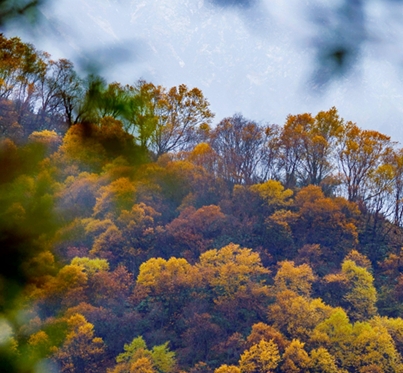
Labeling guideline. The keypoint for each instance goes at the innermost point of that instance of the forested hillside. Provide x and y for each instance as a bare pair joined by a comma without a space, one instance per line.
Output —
140,234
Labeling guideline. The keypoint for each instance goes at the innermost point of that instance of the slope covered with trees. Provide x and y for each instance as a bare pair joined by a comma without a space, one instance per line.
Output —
136,235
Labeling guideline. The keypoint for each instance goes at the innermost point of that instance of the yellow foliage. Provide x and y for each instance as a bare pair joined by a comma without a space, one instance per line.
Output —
297,279
261,357
115,197
159,276
71,276
272,191
362,294
357,345
297,316
227,369
359,259
322,361
48,138
266,332
394,326
91,266
38,338
231,268
142,365
295,358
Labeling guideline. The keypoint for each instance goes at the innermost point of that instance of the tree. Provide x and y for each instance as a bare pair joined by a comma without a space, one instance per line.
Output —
81,351
68,90
20,68
330,222
267,332
238,142
362,296
322,361
115,197
162,277
195,230
140,118
297,279
261,357
396,161
270,161
319,140
297,316
295,358
137,358
231,269
48,90
273,193
180,112
291,148
360,153
358,346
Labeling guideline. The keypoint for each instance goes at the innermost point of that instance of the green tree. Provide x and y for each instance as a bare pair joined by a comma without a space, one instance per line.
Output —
361,296
137,358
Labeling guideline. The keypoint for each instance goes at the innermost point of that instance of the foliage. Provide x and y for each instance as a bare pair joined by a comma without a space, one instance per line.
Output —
249,248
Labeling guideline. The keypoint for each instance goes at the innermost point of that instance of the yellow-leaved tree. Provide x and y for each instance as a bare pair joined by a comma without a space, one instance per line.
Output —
261,357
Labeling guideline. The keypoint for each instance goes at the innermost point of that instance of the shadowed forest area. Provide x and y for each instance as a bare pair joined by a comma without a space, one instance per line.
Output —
139,234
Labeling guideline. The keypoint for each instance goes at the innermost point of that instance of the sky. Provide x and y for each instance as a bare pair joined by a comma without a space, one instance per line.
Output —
254,57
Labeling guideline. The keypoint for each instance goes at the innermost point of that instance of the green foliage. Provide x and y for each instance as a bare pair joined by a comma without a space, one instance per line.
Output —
361,297
91,266
136,354
130,349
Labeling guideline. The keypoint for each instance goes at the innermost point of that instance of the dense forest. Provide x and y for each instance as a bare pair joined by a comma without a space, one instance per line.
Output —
138,235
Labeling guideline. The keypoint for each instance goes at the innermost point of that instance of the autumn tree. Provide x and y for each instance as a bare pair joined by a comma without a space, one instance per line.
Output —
329,222
396,163
295,278
361,297
227,369
180,112
270,164
81,351
195,230
166,286
69,90
295,358
238,282
19,70
231,268
360,153
238,142
297,316
162,277
322,361
357,346
138,358
319,140
291,148
54,82
115,197
261,357
267,332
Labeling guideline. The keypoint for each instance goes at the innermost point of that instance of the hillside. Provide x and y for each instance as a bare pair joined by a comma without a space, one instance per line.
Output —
137,234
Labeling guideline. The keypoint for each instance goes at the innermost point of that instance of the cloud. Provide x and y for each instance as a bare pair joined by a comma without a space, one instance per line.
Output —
234,3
